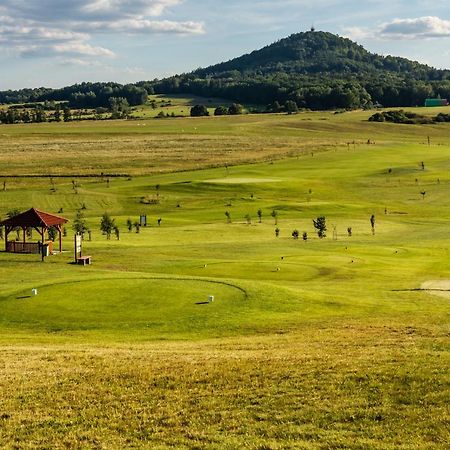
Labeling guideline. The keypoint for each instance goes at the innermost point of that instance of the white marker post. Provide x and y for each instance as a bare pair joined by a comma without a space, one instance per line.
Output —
78,246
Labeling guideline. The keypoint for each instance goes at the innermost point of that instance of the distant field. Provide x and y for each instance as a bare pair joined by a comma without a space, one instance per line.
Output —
325,343
139,147
179,105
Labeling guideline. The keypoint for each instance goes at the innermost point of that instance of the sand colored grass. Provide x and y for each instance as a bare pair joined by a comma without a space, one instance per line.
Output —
152,146
383,385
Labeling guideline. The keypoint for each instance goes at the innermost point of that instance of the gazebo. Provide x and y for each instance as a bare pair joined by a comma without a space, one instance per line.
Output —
31,219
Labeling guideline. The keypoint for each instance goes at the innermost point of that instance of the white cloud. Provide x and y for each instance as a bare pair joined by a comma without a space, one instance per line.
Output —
55,27
418,28
161,26
79,48
151,8
80,62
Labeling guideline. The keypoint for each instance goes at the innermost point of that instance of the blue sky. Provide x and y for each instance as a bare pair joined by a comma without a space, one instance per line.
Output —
56,43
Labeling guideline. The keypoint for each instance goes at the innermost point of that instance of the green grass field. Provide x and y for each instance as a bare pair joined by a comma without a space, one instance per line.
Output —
340,342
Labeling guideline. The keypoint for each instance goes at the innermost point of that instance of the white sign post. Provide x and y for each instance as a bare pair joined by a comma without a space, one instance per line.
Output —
78,245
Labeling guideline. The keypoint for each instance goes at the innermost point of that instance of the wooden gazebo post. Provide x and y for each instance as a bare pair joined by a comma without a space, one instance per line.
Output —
7,230
60,237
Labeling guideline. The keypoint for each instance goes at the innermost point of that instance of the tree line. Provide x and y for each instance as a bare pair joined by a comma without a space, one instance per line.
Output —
83,95
118,108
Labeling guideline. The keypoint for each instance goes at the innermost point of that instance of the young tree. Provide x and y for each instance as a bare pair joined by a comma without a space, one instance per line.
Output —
117,232
248,219
274,214
228,216
79,224
259,215
129,225
372,223
321,226
305,236
295,234
107,225
423,194
349,231
277,232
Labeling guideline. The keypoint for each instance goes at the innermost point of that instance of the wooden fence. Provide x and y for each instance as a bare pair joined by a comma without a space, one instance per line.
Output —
24,247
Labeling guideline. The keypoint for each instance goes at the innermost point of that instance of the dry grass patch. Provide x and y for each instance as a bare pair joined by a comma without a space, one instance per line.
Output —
349,387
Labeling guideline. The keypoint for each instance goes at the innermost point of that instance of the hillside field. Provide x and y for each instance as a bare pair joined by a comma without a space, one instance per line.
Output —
341,342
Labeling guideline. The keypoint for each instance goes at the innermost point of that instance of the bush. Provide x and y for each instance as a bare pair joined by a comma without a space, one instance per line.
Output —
199,111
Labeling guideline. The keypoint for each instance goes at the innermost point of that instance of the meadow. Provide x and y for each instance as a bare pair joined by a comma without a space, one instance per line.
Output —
341,342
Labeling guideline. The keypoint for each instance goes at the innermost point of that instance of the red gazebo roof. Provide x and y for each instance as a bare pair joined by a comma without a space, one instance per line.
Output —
34,218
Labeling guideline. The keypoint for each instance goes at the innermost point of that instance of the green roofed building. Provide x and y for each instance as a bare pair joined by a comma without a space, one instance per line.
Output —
436,102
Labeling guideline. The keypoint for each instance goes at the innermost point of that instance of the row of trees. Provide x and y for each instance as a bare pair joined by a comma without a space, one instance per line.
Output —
84,95
401,116
202,110
36,114
118,108
320,224
108,225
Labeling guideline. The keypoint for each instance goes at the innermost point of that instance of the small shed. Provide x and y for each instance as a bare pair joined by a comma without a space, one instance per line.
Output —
32,219
436,102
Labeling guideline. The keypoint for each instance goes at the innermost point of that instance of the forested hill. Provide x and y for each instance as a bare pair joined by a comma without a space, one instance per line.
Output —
318,70
314,69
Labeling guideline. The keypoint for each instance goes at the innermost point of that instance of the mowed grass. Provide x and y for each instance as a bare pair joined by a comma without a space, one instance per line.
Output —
319,344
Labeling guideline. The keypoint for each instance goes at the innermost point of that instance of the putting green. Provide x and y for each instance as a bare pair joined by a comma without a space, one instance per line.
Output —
243,180
162,305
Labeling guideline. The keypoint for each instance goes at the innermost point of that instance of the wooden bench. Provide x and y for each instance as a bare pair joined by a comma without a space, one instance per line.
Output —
84,260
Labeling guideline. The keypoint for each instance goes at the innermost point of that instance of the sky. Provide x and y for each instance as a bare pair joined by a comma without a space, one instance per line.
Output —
56,43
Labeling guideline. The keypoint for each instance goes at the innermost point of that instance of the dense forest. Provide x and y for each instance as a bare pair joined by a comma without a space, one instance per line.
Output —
315,70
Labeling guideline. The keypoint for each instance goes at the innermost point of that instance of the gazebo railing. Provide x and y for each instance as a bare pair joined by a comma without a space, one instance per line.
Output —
23,247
